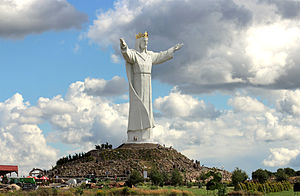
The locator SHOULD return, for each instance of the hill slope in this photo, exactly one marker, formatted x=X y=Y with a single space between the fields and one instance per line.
x=120 y=161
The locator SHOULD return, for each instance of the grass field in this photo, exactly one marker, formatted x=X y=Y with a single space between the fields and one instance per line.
x=284 y=193
x=141 y=190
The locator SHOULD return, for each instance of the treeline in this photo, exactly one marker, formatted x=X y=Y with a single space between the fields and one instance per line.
x=282 y=174
x=76 y=156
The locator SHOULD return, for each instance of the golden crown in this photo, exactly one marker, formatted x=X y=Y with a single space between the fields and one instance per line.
x=138 y=36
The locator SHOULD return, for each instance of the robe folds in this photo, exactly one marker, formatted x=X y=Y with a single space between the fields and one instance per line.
x=138 y=69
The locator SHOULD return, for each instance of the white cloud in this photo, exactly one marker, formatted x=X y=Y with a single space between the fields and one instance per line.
x=280 y=157
x=115 y=58
x=246 y=104
x=86 y=116
x=79 y=119
x=21 y=140
x=21 y=18
x=251 y=128
x=268 y=47
x=289 y=102
x=100 y=87
x=76 y=48
x=179 y=105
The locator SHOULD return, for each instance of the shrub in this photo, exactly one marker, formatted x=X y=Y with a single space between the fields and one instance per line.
x=153 y=187
x=215 y=182
x=79 y=191
x=100 y=193
x=54 y=192
x=83 y=185
x=156 y=177
x=221 y=190
x=134 y=178
x=244 y=193
x=125 y=190
x=166 y=178
x=43 y=192
x=266 y=187
x=189 y=184
x=176 y=178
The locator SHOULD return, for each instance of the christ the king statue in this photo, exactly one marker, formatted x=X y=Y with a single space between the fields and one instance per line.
x=139 y=63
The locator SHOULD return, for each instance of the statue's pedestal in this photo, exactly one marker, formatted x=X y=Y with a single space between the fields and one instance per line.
x=140 y=136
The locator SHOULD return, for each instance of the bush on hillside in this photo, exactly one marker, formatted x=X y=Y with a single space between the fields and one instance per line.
x=134 y=178
x=176 y=178
x=156 y=177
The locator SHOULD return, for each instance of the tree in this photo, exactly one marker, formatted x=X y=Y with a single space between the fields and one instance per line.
x=281 y=175
x=215 y=182
x=156 y=177
x=260 y=175
x=289 y=171
x=166 y=178
x=237 y=177
x=134 y=178
x=176 y=178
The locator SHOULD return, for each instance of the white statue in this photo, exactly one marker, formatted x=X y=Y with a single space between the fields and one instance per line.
x=138 y=67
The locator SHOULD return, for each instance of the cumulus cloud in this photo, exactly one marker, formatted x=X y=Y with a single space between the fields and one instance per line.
x=248 y=132
x=91 y=121
x=287 y=9
x=179 y=105
x=115 y=58
x=228 y=45
x=82 y=118
x=289 y=102
x=21 y=18
x=100 y=87
x=280 y=157
x=246 y=104
x=21 y=140
x=85 y=115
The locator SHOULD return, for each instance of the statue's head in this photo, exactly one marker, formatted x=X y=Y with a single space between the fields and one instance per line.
x=141 y=41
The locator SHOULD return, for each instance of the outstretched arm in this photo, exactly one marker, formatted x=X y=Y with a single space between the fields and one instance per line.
x=126 y=52
x=123 y=44
x=177 y=47
x=161 y=57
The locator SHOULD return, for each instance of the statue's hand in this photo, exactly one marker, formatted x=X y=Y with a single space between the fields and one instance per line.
x=123 y=44
x=177 y=46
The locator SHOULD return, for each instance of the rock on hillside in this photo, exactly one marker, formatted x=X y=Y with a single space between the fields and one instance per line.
x=127 y=157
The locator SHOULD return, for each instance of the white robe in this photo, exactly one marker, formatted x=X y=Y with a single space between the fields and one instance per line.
x=138 y=68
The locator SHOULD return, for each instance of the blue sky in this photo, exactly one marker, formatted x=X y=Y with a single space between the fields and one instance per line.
x=228 y=98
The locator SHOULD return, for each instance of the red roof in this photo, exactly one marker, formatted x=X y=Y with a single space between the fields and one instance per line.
x=12 y=168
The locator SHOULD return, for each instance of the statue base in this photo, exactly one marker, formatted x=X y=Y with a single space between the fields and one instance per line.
x=140 y=136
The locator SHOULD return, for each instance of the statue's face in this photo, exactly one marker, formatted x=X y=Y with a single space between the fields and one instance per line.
x=144 y=43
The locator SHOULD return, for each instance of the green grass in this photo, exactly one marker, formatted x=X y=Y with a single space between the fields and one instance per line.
x=284 y=193
x=194 y=190
x=144 y=190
